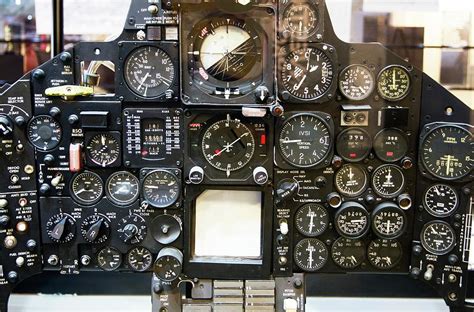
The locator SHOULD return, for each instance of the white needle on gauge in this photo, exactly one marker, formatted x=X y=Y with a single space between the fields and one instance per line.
x=143 y=81
x=228 y=146
x=448 y=164
x=313 y=68
x=297 y=87
x=82 y=191
x=290 y=141
x=152 y=187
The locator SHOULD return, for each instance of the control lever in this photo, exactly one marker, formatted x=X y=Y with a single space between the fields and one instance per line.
x=58 y=229
x=94 y=230
x=285 y=190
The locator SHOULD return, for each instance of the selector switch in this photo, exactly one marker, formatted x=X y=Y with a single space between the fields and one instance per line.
x=196 y=175
x=4 y=221
x=6 y=126
x=286 y=189
x=49 y=159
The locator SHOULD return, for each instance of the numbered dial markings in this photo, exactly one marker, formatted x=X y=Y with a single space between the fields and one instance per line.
x=352 y=220
x=305 y=140
x=438 y=237
x=132 y=229
x=96 y=229
x=161 y=188
x=394 y=83
x=353 y=144
x=388 y=181
x=109 y=259
x=441 y=200
x=61 y=228
x=390 y=145
x=388 y=221
x=311 y=254
x=44 y=133
x=384 y=254
x=348 y=253
x=312 y=220
x=307 y=73
x=103 y=149
x=87 y=188
x=300 y=20
x=351 y=180
x=356 y=82
x=149 y=72
x=140 y=259
x=447 y=152
x=122 y=188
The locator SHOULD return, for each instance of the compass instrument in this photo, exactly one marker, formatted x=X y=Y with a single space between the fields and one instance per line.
x=312 y=220
x=305 y=140
x=44 y=132
x=440 y=200
x=394 y=83
x=390 y=145
x=161 y=188
x=388 y=221
x=356 y=82
x=300 y=20
x=438 y=237
x=384 y=254
x=122 y=188
x=307 y=73
x=87 y=188
x=109 y=259
x=348 y=253
x=139 y=259
x=353 y=144
x=149 y=72
x=311 y=254
x=351 y=180
x=352 y=220
x=103 y=149
x=388 y=181
x=447 y=152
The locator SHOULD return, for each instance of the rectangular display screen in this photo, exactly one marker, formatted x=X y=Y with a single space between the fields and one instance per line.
x=228 y=226
x=153 y=138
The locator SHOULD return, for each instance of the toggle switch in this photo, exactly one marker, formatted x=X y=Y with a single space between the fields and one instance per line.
x=284 y=229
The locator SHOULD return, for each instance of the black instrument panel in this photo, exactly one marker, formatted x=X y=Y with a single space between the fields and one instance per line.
x=245 y=147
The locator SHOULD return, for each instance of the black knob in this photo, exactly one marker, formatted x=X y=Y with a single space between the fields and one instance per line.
x=45 y=189
x=321 y=182
x=12 y=277
x=49 y=159
x=31 y=245
x=4 y=220
x=20 y=121
x=286 y=189
x=55 y=112
x=370 y=199
x=415 y=273
x=262 y=94
x=417 y=250
x=65 y=57
x=73 y=119
x=6 y=126
x=453 y=259
x=157 y=288
x=39 y=74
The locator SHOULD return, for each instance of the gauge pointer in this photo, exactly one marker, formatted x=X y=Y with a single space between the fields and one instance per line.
x=143 y=81
x=93 y=231
x=229 y=146
x=58 y=229
x=298 y=86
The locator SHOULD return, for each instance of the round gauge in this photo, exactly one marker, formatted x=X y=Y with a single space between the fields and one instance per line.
x=307 y=73
x=390 y=145
x=122 y=188
x=44 y=133
x=312 y=220
x=311 y=254
x=348 y=253
x=61 y=228
x=300 y=20
x=394 y=83
x=352 y=220
x=441 y=200
x=228 y=145
x=109 y=259
x=87 y=188
x=132 y=229
x=226 y=48
x=139 y=259
x=305 y=140
x=96 y=229
x=384 y=254
x=388 y=221
x=353 y=144
x=161 y=188
x=149 y=72
x=438 y=237
x=169 y=264
x=356 y=82
x=351 y=180
x=103 y=149
x=388 y=181
x=166 y=229
x=447 y=152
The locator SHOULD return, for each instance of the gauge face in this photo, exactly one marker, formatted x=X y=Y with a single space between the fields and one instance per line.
x=353 y=144
x=109 y=259
x=351 y=180
x=44 y=133
x=388 y=181
x=312 y=220
x=300 y=20
x=388 y=221
x=228 y=145
x=168 y=268
x=161 y=188
x=307 y=73
x=356 y=82
x=384 y=254
x=87 y=188
x=447 y=152
x=96 y=229
x=438 y=237
x=132 y=229
x=352 y=220
x=394 y=83
x=149 y=72
x=441 y=200
x=103 y=149
x=226 y=48
x=348 y=253
x=166 y=229
x=311 y=254
x=305 y=140
x=139 y=259
x=61 y=228
x=122 y=188
x=390 y=145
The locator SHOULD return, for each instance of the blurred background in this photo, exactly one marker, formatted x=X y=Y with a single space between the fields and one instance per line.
x=435 y=35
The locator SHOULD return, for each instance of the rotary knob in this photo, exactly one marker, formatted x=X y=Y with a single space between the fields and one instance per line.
x=166 y=229
x=6 y=126
x=61 y=228
x=95 y=229
x=169 y=264
x=132 y=229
